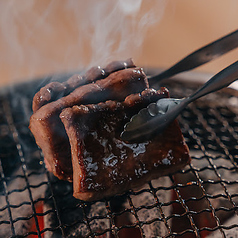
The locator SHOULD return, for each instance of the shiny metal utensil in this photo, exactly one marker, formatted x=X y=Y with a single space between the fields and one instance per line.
x=200 y=56
x=157 y=116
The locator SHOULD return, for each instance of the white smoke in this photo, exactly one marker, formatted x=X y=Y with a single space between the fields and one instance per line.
x=54 y=36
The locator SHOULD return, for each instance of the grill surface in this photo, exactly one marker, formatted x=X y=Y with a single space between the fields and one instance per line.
x=199 y=201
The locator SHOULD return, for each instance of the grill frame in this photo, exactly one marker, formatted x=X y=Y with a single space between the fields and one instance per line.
x=15 y=104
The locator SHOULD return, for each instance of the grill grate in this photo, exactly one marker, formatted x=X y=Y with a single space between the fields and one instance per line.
x=199 y=201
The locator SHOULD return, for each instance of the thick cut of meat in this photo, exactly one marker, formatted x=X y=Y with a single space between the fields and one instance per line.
x=48 y=129
x=103 y=164
x=56 y=90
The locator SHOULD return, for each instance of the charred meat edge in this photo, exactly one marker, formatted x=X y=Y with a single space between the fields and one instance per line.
x=56 y=90
x=49 y=131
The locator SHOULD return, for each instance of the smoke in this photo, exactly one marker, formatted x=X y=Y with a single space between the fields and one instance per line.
x=41 y=37
x=116 y=29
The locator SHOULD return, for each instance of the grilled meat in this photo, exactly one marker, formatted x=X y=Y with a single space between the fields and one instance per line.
x=103 y=164
x=78 y=124
x=56 y=90
x=48 y=129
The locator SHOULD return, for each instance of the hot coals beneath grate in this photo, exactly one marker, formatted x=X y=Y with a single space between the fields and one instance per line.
x=200 y=201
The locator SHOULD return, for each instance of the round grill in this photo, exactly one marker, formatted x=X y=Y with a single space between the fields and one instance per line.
x=199 y=201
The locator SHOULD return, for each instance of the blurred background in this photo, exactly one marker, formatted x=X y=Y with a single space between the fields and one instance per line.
x=40 y=38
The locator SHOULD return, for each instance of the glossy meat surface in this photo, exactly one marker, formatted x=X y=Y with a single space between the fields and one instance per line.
x=103 y=164
x=48 y=130
x=56 y=90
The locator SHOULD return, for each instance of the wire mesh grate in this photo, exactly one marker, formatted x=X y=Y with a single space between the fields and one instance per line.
x=199 y=201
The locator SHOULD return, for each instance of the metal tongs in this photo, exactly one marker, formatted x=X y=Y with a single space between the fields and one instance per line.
x=157 y=116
